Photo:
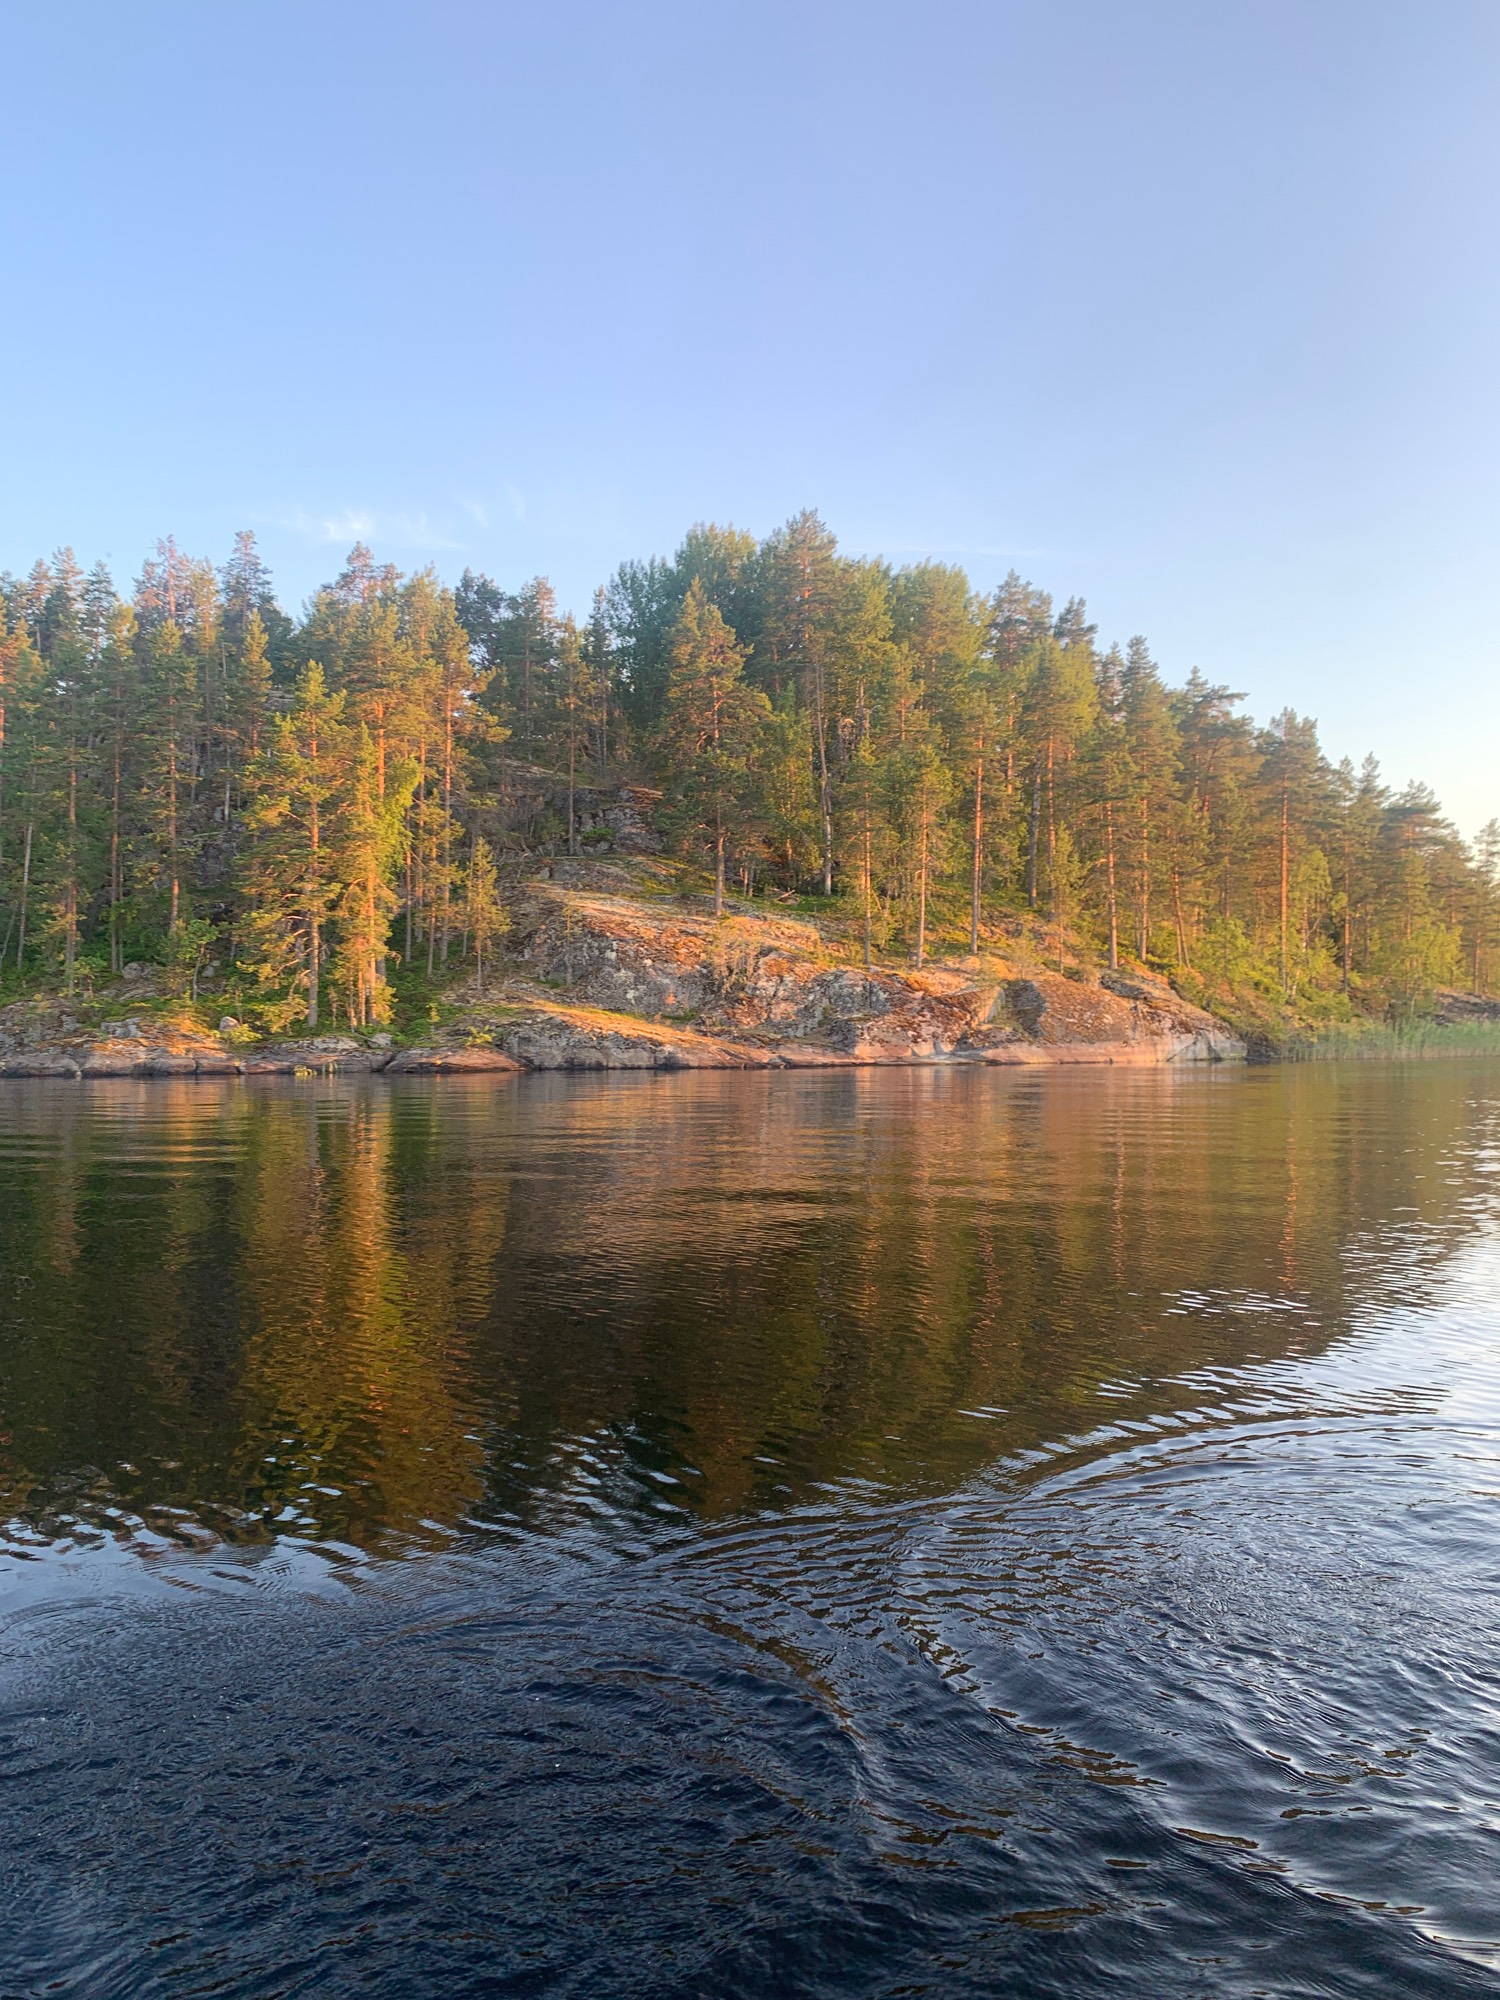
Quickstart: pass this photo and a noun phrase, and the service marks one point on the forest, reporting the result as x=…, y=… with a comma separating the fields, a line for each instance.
x=312, y=809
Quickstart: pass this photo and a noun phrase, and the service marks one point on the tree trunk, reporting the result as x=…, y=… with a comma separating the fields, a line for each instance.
x=1051, y=834
x=977, y=880
x=70, y=900
x=1145, y=939
x=116, y=885
x=825, y=795
x=172, y=804
x=868, y=892
x=1182, y=944
x=1036, y=815
x=447, y=816
x=314, y=865
x=1285, y=807
x=406, y=883
x=922, y=893
x=25, y=895
x=1109, y=863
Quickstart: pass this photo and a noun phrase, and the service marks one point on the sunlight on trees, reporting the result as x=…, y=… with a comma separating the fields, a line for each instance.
x=192, y=778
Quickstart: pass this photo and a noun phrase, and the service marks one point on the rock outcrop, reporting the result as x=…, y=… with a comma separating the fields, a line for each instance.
x=593, y=1038
x=1050, y=1018
x=1460, y=1010
x=741, y=977
x=772, y=983
x=606, y=980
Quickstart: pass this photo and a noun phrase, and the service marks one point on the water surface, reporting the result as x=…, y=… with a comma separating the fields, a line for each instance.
x=867, y=1533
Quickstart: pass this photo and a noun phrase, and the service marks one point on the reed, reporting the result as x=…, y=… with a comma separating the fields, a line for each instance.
x=1374, y=1040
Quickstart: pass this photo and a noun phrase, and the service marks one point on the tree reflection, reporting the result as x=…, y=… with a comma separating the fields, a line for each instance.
x=355, y=1311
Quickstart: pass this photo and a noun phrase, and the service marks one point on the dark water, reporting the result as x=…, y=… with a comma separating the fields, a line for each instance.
x=940, y=1532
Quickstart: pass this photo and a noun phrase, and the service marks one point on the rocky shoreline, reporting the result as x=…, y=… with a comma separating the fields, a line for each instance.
x=599, y=980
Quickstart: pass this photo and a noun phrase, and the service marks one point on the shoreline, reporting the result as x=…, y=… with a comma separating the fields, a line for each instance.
x=597, y=981
x=99, y=1066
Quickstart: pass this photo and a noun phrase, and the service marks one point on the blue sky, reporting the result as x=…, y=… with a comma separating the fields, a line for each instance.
x=1189, y=308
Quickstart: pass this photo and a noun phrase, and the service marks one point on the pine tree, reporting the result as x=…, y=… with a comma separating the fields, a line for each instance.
x=291, y=875
x=1294, y=782
x=599, y=670
x=788, y=806
x=572, y=700
x=802, y=592
x=484, y=918
x=1151, y=745
x=708, y=731
x=936, y=619
x=167, y=671
x=1058, y=707
x=870, y=841
x=809, y=716
x=919, y=788
x=1110, y=781
x=367, y=843
x=1484, y=910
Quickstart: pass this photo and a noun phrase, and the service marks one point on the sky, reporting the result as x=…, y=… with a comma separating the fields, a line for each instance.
x=1189, y=309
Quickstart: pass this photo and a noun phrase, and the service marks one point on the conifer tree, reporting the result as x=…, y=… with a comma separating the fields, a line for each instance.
x=1110, y=781
x=870, y=787
x=292, y=876
x=802, y=592
x=709, y=724
x=599, y=672
x=571, y=703
x=811, y=718
x=1057, y=709
x=1293, y=785
x=484, y=918
x=1151, y=745
x=919, y=787
x=367, y=839
x=783, y=767
x=1484, y=912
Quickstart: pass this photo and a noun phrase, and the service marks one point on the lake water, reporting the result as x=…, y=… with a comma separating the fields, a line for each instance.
x=940, y=1531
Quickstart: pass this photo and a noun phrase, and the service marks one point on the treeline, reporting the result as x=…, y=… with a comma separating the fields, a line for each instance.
x=190, y=777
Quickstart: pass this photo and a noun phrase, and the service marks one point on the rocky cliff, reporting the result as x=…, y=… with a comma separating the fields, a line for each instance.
x=773, y=984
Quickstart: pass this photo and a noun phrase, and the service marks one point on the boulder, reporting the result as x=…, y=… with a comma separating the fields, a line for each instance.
x=1069, y=1020
x=590, y=1038
x=449, y=1062
x=323, y=1055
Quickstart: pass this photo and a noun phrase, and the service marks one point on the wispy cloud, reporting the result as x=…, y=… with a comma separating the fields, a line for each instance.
x=363, y=524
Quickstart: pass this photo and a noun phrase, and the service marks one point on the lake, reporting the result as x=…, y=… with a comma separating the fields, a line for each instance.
x=934, y=1531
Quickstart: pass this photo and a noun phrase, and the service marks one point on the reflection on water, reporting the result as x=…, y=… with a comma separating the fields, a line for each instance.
x=853, y=1533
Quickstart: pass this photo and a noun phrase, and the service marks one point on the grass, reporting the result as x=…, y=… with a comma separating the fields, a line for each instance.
x=1368, y=1041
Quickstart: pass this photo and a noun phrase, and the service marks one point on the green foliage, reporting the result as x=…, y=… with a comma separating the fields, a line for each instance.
x=1374, y=1040
x=484, y=917
x=319, y=808
x=709, y=727
x=188, y=947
